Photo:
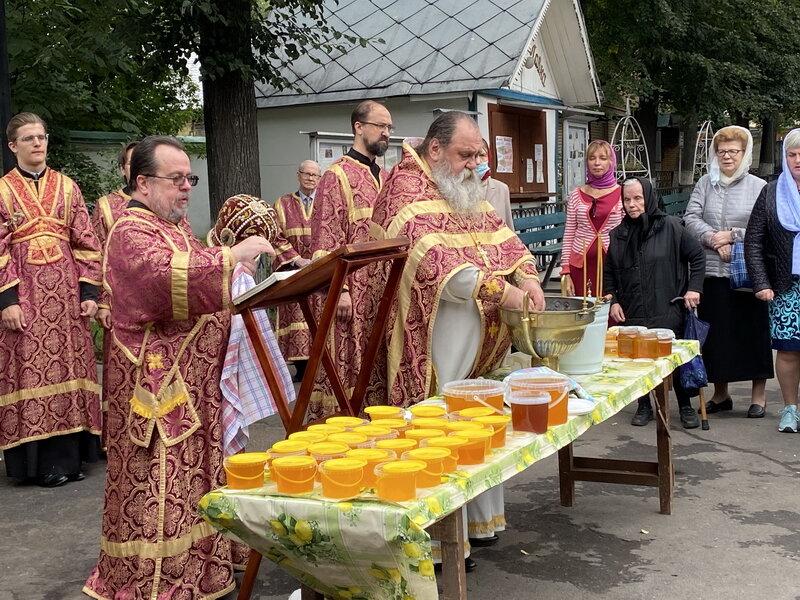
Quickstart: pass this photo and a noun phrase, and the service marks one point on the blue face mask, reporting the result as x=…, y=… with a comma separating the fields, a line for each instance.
x=482, y=170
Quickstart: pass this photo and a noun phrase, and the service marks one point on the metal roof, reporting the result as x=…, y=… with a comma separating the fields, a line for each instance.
x=430, y=47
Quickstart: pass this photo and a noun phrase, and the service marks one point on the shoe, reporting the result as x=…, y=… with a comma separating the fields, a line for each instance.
x=79, y=476
x=644, y=414
x=789, y=419
x=483, y=541
x=689, y=418
x=52, y=480
x=712, y=407
x=756, y=411
x=469, y=566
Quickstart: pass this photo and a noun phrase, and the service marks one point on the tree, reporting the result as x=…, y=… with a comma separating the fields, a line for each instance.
x=237, y=42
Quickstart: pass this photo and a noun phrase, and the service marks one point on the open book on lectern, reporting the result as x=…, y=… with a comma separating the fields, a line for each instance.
x=273, y=278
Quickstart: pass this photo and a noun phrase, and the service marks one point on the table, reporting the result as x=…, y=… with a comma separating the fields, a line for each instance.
x=369, y=549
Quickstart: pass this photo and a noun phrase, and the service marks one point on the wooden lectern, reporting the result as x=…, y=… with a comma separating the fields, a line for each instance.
x=329, y=272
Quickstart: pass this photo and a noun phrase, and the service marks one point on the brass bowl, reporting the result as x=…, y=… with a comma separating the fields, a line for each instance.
x=548, y=334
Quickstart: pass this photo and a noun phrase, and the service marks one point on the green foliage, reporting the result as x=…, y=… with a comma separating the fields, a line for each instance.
x=71, y=62
x=704, y=58
x=93, y=179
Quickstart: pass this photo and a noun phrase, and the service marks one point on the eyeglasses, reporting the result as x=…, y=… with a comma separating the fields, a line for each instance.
x=306, y=174
x=42, y=137
x=732, y=153
x=177, y=180
x=387, y=126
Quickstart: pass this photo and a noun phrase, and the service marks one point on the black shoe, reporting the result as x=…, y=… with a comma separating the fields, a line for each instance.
x=470, y=565
x=51, y=481
x=712, y=407
x=756, y=411
x=644, y=414
x=689, y=418
x=483, y=541
x=79, y=476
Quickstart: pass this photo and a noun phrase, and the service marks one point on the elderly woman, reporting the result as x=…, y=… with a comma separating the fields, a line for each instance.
x=654, y=272
x=593, y=208
x=738, y=344
x=772, y=251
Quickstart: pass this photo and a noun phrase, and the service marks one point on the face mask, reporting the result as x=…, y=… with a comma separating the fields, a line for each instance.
x=483, y=171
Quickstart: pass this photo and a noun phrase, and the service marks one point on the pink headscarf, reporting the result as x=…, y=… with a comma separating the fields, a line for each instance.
x=609, y=178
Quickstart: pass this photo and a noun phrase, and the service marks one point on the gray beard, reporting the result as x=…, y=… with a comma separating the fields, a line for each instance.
x=462, y=191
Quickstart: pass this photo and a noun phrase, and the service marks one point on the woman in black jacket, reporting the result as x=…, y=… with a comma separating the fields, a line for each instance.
x=654, y=272
x=772, y=252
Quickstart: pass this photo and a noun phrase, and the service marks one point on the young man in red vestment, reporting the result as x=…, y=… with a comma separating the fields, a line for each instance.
x=49, y=273
x=294, y=217
x=342, y=210
x=169, y=294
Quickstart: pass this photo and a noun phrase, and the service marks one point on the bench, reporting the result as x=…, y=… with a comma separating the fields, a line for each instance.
x=674, y=204
x=542, y=235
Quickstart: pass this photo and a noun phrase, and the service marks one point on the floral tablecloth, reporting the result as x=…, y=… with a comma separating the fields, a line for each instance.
x=369, y=549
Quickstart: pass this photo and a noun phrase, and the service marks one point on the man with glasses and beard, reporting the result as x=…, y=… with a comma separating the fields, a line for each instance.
x=170, y=295
x=464, y=263
x=342, y=210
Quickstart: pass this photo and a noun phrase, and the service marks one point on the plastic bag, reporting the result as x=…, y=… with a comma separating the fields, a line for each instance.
x=693, y=374
x=740, y=280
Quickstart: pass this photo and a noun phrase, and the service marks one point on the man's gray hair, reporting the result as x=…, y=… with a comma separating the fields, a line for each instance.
x=443, y=129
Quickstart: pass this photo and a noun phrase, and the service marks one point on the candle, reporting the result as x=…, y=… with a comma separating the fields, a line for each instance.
x=585, y=270
x=599, y=280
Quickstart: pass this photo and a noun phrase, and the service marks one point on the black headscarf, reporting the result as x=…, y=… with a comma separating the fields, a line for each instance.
x=639, y=229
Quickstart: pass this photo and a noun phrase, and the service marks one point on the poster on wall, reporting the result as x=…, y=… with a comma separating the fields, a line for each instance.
x=329, y=152
x=503, y=145
x=529, y=171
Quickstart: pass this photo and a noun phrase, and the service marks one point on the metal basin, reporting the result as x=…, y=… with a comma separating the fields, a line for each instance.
x=556, y=330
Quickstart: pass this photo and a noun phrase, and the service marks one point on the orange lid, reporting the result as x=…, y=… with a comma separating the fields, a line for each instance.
x=383, y=410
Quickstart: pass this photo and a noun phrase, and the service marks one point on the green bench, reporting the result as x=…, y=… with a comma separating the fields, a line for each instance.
x=674, y=204
x=542, y=235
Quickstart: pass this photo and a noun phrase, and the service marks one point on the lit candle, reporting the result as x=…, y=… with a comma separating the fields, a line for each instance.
x=585, y=270
x=599, y=280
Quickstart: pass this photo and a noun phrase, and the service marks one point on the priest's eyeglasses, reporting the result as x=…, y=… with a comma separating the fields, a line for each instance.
x=27, y=139
x=177, y=180
x=732, y=153
x=388, y=127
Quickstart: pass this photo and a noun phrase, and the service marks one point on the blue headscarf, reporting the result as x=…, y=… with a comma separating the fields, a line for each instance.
x=787, y=199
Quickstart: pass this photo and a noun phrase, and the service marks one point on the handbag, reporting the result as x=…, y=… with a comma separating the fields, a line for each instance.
x=740, y=280
x=693, y=374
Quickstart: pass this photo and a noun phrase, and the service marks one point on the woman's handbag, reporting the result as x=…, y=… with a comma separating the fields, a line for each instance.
x=693, y=374
x=740, y=280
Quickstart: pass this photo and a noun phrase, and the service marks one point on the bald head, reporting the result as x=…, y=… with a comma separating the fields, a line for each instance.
x=308, y=174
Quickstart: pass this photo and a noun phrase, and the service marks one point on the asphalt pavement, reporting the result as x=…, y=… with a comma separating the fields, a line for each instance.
x=734, y=531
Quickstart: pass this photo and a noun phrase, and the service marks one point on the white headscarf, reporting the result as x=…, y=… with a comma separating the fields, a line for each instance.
x=715, y=173
x=787, y=198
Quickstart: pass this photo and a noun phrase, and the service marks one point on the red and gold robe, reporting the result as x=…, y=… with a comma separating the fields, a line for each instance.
x=107, y=210
x=48, y=377
x=443, y=242
x=169, y=294
x=292, y=333
x=342, y=210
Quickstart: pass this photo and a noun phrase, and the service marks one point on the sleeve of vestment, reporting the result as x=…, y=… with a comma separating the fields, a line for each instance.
x=83, y=241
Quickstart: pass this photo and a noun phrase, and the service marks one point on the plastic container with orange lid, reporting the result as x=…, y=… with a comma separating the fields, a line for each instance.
x=376, y=432
x=322, y=451
x=397, y=480
x=353, y=440
x=427, y=410
x=342, y=477
x=498, y=424
x=456, y=426
x=377, y=413
x=312, y=437
x=346, y=422
x=421, y=434
x=434, y=459
x=246, y=470
x=453, y=443
x=468, y=414
x=398, y=445
x=479, y=442
x=467, y=393
x=373, y=457
x=429, y=423
x=294, y=474
x=399, y=425
x=325, y=428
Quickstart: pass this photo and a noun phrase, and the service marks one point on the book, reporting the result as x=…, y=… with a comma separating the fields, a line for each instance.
x=275, y=277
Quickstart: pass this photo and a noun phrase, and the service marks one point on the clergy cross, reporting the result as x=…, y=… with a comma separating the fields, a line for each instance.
x=483, y=253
